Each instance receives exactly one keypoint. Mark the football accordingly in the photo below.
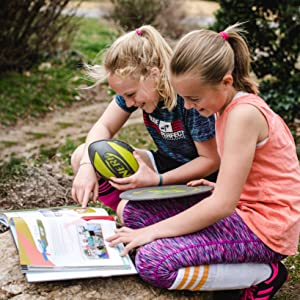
(112, 158)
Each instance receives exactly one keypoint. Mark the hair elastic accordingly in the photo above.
(224, 35)
(139, 32)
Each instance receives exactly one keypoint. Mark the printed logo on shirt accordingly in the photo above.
(168, 130)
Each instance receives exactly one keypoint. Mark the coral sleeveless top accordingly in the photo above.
(270, 200)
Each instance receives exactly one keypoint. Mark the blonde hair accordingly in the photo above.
(133, 55)
(208, 55)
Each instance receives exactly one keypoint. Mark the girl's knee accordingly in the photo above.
(153, 267)
(120, 210)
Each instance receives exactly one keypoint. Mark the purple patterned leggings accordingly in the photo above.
(227, 241)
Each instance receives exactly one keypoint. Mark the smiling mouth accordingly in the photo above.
(202, 111)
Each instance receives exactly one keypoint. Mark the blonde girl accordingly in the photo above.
(136, 68)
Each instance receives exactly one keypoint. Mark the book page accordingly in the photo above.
(66, 241)
(6, 216)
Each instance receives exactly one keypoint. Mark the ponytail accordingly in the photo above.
(210, 56)
(133, 55)
(241, 70)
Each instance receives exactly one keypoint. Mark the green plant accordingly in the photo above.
(91, 38)
(31, 29)
(54, 81)
(13, 168)
(284, 98)
(273, 35)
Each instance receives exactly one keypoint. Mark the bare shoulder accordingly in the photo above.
(246, 114)
(248, 118)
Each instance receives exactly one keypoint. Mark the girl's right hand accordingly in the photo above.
(201, 182)
(85, 184)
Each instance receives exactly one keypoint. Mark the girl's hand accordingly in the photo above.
(145, 176)
(201, 182)
(132, 238)
(85, 184)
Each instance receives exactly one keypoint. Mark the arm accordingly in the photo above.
(205, 164)
(243, 128)
(85, 182)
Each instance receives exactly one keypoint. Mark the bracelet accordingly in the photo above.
(85, 163)
(160, 180)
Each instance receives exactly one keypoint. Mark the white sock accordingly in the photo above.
(221, 277)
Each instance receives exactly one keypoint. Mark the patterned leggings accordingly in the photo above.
(227, 241)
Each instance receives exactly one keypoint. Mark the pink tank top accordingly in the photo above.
(270, 200)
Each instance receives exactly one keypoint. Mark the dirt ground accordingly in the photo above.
(25, 139)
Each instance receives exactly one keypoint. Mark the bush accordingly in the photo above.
(31, 29)
(273, 35)
(165, 15)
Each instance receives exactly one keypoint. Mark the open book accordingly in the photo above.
(66, 243)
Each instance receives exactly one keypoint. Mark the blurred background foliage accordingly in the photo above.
(48, 46)
(41, 56)
(273, 29)
(166, 15)
(31, 30)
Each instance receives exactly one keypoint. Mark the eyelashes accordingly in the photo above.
(130, 95)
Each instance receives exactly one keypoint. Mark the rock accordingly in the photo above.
(13, 284)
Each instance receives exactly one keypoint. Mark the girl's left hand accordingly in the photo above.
(201, 182)
(132, 238)
(145, 176)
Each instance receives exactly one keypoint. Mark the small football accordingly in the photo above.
(112, 158)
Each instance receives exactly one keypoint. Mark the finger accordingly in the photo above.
(85, 200)
(123, 230)
(116, 242)
(209, 183)
(74, 194)
(195, 182)
(125, 180)
(111, 238)
(95, 193)
(80, 194)
(120, 187)
(138, 159)
(127, 248)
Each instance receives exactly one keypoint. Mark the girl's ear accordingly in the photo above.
(228, 80)
(154, 72)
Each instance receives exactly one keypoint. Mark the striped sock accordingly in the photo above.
(220, 277)
(191, 278)
(108, 195)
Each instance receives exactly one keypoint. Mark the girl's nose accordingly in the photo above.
(130, 102)
(188, 105)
